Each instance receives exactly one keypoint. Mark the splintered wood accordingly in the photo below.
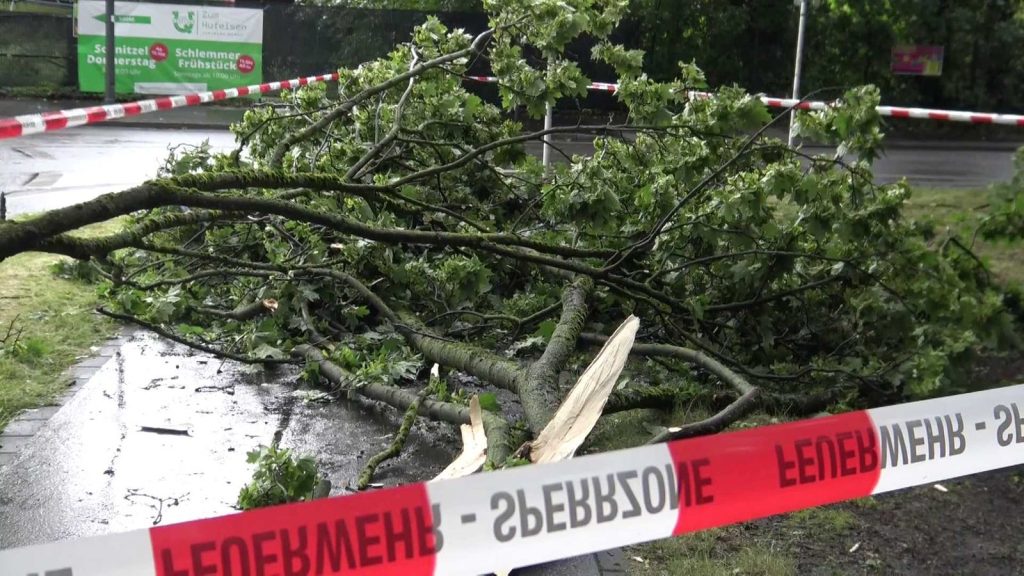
(581, 410)
(474, 446)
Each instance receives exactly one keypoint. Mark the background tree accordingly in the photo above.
(403, 224)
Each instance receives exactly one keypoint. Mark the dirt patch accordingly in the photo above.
(1003, 370)
(972, 528)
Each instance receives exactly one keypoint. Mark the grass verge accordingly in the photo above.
(961, 211)
(56, 322)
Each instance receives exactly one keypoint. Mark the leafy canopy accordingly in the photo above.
(796, 270)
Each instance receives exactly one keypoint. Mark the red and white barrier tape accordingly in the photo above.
(890, 111)
(60, 119)
(534, 514)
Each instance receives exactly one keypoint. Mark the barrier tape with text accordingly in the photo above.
(533, 514)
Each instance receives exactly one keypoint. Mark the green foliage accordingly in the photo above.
(187, 159)
(421, 5)
(75, 270)
(489, 402)
(800, 273)
(1006, 218)
(280, 478)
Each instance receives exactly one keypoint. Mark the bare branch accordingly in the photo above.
(190, 343)
(733, 412)
(346, 107)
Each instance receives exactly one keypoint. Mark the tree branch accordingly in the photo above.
(395, 448)
(191, 344)
(733, 412)
(538, 391)
(347, 106)
(496, 428)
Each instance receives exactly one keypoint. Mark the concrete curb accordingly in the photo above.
(21, 429)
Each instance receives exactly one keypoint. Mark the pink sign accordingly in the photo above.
(917, 60)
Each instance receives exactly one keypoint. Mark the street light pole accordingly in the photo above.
(548, 122)
(109, 91)
(798, 67)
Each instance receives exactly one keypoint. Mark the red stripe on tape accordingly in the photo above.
(54, 120)
(243, 91)
(264, 88)
(219, 95)
(192, 99)
(9, 128)
(774, 470)
(95, 114)
(900, 113)
(132, 109)
(303, 81)
(938, 116)
(982, 118)
(164, 103)
(369, 534)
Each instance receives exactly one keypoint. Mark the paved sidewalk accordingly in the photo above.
(152, 433)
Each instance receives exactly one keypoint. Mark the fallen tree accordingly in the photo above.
(404, 224)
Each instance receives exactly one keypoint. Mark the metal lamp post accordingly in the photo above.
(798, 67)
(110, 76)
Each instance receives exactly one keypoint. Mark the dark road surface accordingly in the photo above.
(47, 171)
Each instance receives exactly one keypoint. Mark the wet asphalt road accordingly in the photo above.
(158, 434)
(46, 171)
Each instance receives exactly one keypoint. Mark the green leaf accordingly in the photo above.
(546, 329)
(268, 351)
(489, 402)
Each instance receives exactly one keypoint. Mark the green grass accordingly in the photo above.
(706, 554)
(961, 211)
(57, 324)
(822, 521)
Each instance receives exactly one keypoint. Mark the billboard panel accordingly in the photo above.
(170, 48)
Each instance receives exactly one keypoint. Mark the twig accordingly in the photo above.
(393, 450)
(733, 412)
(196, 345)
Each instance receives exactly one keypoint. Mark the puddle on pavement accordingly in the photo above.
(160, 433)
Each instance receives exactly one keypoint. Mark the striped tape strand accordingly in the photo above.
(889, 111)
(534, 514)
(61, 119)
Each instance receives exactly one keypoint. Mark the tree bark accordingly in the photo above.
(538, 392)
(496, 428)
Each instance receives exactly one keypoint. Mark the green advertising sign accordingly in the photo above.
(170, 48)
